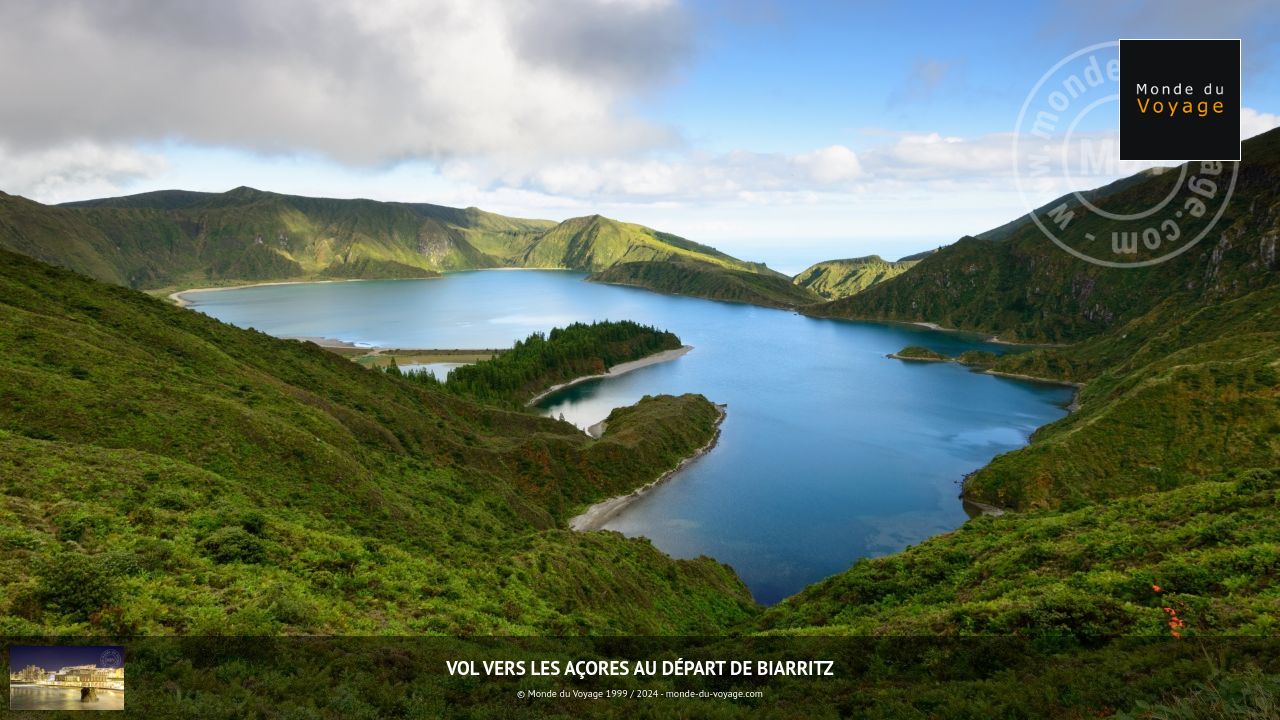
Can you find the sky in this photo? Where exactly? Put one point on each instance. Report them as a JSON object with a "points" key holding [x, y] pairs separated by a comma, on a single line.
{"points": [[787, 132], [56, 657]]}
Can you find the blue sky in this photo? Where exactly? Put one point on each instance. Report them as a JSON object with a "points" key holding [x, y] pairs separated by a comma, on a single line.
{"points": [[782, 131], [56, 657], [803, 74]]}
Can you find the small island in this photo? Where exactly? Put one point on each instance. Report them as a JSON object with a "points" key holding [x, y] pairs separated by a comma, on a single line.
{"points": [[919, 354]]}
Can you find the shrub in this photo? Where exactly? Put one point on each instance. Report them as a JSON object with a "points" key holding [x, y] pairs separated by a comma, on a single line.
{"points": [[253, 521], [121, 562], [153, 554], [233, 544], [74, 584], [173, 499], [73, 527]]}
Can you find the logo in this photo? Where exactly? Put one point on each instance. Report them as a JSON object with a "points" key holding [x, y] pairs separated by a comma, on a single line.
{"points": [[1065, 146], [1180, 99]]}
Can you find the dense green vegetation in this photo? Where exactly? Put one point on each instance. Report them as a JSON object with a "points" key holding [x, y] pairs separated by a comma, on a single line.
{"points": [[705, 280], [834, 279], [542, 360], [186, 239], [161, 472], [1170, 399]]}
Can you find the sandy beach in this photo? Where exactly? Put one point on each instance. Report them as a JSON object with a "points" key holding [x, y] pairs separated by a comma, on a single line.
{"points": [[990, 338], [1075, 397], [594, 517], [177, 297], [619, 369], [1033, 378], [982, 508]]}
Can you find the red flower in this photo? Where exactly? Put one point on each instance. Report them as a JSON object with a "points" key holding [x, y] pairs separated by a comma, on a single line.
{"points": [[1156, 588]]}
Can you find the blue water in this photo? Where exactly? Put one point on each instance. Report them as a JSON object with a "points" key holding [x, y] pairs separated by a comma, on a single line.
{"points": [[830, 451]]}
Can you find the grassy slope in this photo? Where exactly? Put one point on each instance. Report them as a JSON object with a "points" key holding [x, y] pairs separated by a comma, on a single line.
{"points": [[595, 243], [832, 279], [235, 483], [1174, 396], [1212, 547], [705, 280]]}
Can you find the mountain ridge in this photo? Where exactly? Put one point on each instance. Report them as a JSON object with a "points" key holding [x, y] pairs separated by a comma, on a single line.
{"points": [[179, 238]]}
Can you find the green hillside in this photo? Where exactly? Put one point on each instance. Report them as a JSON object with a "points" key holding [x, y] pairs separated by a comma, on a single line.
{"points": [[595, 243], [1171, 398], [178, 238], [1025, 288], [706, 280], [832, 279], [164, 473]]}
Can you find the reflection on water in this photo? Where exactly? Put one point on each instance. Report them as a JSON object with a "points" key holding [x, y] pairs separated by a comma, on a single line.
{"points": [[35, 697], [830, 451]]}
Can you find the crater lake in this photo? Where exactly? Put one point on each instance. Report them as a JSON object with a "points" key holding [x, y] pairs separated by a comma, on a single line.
{"points": [[829, 452]]}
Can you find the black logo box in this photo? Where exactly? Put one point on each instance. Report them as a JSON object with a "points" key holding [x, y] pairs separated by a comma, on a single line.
{"points": [[1185, 67]]}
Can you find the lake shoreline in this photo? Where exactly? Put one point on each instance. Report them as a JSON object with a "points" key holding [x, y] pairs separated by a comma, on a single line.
{"points": [[178, 299], [616, 370], [988, 338], [908, 358], [1072, 406], [769, 366], [596, 515]]}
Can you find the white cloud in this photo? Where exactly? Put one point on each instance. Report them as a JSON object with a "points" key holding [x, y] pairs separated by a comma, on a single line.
{"points": [[829, 165], [360, 82], [75, 170], [1253, 122], [932, 156], [692, 177]]}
